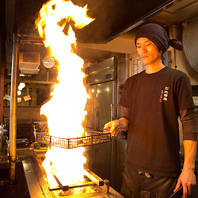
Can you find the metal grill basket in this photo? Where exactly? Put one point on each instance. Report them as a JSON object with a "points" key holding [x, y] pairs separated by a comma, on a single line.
{"points": [[69, 143]]}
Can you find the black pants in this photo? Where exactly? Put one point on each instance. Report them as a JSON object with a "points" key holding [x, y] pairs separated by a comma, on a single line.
{"points": [[137, 185]]}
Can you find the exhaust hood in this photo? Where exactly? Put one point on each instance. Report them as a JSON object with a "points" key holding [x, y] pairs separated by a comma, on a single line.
{"points": [[116, 17], [112, 18]]}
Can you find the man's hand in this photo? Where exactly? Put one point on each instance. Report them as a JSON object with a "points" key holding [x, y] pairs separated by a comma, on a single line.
{"points": [[187, 179], [113, 127]]}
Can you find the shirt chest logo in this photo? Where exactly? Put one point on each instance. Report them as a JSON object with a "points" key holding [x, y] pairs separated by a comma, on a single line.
{"points": [[164, 94]]}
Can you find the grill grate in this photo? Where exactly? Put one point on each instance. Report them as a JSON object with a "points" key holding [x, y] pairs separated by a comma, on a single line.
{"points": [[69, 143]]}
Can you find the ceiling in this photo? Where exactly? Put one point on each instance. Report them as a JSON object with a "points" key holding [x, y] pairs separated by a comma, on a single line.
{"points": [[115, 22], [112, 18]]}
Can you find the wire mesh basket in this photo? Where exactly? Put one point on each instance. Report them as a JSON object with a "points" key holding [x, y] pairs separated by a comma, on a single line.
{"points": [[92, 138]]}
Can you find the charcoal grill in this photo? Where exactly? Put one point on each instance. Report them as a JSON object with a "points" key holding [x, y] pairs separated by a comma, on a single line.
{"points": [[38, 184]]}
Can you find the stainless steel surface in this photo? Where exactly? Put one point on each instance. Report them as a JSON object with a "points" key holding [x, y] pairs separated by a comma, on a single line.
{"points": [[99, 110], [123, 65], [103, 107], [102, 72], [13, 106], [117, 162], [104, 98], [24, 140], [32, 181], [98, 159], [104, 93]]}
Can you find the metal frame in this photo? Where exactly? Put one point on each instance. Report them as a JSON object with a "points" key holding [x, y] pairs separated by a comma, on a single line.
{"points": [[95, 180]]}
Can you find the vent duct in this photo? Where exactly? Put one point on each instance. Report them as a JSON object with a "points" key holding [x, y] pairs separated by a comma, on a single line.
{"points": [[190, 42]]}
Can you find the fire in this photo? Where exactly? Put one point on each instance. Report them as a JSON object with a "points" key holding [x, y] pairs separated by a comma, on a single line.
{"points": [[65, 110]]}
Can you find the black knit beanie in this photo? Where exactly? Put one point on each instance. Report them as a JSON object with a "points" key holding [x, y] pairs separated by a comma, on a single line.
{"points": [[158, 35]]}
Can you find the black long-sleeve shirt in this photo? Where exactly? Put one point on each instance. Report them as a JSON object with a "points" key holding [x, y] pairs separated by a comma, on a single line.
{"points": [[155, 101]]}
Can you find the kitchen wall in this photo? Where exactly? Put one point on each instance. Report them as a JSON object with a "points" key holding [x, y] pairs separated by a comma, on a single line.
{"points": [[26, 114]]}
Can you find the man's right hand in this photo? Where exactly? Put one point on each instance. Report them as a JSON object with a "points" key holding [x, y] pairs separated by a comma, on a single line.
{"points": [[112, 127]]}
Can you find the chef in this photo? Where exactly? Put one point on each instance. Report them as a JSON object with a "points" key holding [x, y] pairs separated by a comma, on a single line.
{"points": [[151, 103]]}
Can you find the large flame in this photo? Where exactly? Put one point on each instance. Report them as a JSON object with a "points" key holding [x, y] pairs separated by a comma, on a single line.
{"points": [[65, 110]]}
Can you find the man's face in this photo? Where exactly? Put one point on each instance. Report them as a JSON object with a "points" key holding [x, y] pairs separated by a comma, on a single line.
{"points": [[148, 51]]}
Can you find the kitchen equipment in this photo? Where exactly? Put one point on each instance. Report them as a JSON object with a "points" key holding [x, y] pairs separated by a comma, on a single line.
{"points": [[38, 184], [176, 192], [92, 138]]}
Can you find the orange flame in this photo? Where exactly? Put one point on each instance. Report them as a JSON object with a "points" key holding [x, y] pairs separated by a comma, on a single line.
{"points": [[65, 110]]}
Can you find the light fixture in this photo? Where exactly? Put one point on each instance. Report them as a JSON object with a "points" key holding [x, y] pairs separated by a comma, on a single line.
{"points": [[18, 93], [21, 86]]}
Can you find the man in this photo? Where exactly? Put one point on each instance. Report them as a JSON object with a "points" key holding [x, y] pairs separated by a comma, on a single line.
{"points": [[151, 103]]}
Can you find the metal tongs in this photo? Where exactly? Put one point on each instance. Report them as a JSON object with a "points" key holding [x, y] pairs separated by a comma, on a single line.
{"points": [[104, 130], [176, 192]]}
